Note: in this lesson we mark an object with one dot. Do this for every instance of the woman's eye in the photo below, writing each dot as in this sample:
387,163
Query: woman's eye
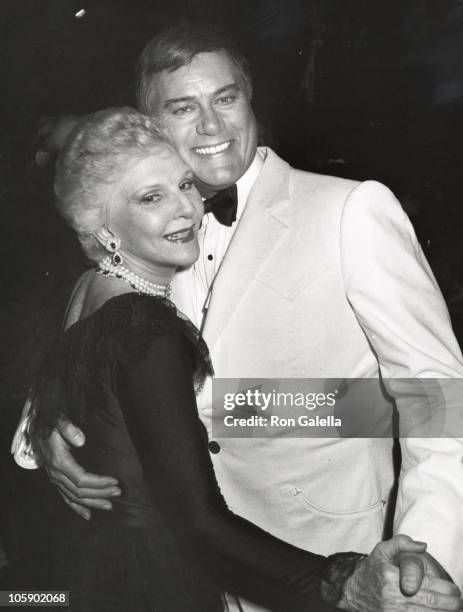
151,197
187,185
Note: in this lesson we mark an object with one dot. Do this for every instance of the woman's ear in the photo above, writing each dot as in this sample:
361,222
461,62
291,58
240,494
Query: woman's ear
107,239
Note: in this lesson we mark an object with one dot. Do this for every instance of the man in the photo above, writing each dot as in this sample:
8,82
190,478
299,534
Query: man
318,277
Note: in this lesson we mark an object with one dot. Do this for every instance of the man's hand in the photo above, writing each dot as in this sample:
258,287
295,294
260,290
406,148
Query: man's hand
377,584
413,567
81,490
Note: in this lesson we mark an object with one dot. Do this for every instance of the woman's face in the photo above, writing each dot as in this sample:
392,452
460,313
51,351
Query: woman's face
156,212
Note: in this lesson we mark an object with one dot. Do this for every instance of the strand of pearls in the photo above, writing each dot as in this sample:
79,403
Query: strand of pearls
141,285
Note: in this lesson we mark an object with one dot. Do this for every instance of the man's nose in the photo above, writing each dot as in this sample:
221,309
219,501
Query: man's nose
210,122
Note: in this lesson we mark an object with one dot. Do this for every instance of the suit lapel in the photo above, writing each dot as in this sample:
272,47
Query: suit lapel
261,227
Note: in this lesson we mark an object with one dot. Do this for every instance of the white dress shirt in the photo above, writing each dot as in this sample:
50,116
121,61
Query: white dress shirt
195,282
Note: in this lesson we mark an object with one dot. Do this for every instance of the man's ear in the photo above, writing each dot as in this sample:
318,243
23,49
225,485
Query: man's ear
107,239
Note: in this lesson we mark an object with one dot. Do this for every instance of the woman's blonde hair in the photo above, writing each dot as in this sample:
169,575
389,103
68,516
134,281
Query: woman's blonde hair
94,156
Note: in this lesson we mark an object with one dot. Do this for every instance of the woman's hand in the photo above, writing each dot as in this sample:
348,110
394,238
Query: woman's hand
81,490
399,575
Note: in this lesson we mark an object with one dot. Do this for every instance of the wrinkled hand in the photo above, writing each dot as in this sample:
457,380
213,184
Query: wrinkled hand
377,584
81,490
413,567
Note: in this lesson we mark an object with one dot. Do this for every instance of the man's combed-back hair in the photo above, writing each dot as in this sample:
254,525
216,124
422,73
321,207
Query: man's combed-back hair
176,47
95,155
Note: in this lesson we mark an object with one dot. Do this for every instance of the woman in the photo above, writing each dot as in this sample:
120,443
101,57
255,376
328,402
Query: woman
126,372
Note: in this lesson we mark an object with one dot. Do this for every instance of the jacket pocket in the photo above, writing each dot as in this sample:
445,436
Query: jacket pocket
362,510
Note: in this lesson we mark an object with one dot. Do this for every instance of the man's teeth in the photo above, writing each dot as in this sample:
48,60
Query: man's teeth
211,150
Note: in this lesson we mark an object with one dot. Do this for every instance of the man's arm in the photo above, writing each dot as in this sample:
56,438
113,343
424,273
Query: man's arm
399,306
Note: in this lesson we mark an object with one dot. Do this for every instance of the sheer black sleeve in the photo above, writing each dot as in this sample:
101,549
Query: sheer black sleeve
157,396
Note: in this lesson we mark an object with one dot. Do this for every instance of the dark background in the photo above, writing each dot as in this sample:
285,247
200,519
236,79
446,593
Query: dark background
356,88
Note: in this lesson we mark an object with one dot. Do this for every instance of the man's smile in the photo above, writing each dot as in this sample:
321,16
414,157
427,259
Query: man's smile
213,149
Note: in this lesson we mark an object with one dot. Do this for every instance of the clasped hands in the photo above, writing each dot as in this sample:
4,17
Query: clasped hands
398,575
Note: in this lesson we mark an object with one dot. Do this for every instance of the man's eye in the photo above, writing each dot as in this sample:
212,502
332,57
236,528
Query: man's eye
183,110
151,197
226,100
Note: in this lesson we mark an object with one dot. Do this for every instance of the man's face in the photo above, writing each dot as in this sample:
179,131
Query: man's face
205,109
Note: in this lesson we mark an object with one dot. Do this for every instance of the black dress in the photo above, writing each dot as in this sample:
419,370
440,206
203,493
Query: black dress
127,375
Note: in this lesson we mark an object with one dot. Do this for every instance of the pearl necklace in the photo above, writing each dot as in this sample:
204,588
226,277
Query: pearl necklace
141,285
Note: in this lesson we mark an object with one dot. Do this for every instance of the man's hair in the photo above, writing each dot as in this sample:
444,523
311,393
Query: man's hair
176,47
94,156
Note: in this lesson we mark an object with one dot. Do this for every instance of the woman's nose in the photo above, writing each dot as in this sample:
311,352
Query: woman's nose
184,206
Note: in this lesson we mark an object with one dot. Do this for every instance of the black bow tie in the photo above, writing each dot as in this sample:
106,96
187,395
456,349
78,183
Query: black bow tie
223,205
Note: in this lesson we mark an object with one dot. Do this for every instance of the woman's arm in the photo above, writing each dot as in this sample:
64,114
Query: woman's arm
161,413
160,407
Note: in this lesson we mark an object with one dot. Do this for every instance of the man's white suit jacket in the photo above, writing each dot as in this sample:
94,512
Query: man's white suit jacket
324,278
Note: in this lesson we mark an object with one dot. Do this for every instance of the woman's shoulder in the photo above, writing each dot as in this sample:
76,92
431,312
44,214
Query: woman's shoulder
121,330
124,316
126,325
138,320
78,297
90,292
138,312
